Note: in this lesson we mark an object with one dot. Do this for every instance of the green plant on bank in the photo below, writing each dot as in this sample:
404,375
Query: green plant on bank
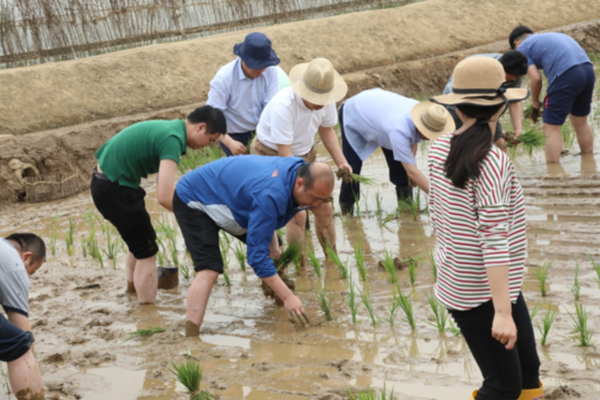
547,322
335,258
407,306
289,254
438,314
359,256
370,394
189,374
314,261
388,265
352,301
325,304
378,200
542,275
366,300
142,333
567,134
580,326
432,265
412,271
240,255
576,288
596,268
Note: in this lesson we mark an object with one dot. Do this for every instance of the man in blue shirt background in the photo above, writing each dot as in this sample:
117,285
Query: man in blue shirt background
571,78
250,198
242,89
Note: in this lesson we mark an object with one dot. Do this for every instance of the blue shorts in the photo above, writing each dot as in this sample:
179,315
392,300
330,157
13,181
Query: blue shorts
14,342
570,93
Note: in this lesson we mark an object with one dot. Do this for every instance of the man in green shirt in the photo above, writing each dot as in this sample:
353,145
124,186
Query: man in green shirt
134,153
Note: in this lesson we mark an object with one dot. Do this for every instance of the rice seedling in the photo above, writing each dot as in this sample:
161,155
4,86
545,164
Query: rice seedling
378,200
389,218
314,261
69,237
366,300
547,322
567,134
387,262
225,257
542,275
576,288
366,200
142,333
288,255
352,301
453,328
53,244
171,248
432,265
596,267
370,394
438,314
409,206
240,255
356,204
407,306
325,304
534,311
359,256
580,326
334,258
363,180
412,271
298,264
185,271
393,310
189,374
531,139
112,248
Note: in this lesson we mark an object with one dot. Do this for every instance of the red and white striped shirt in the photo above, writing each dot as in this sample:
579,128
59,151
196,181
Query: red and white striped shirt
480,226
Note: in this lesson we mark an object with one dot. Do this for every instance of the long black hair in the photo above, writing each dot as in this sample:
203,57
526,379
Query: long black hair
469,148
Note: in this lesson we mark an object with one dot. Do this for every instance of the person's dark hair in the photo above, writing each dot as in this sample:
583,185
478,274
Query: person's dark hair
514,62
517,33
30,242
212,117
309,176
469,148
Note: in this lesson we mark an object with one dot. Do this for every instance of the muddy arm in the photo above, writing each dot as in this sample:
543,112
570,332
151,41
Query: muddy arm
516,116
535,80
166,183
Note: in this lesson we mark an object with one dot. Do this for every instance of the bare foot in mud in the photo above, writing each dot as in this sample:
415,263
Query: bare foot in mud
191,329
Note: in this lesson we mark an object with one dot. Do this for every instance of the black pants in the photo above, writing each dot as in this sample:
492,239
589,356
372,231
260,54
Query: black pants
350,191
243,138
505,372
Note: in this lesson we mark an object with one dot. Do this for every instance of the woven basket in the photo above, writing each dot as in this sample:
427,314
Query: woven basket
44,188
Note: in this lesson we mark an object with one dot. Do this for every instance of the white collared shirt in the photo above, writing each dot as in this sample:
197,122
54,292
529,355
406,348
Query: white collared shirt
241,99
287,121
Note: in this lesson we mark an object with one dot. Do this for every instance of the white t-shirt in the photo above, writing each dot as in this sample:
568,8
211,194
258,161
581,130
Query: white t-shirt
287,120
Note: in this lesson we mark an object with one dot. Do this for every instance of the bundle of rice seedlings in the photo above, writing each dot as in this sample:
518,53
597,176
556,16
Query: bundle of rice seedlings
288,255
143,333
348,177
531,139
190,376
532,113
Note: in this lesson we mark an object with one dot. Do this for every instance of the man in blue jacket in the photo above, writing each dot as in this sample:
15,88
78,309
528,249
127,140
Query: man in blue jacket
249,197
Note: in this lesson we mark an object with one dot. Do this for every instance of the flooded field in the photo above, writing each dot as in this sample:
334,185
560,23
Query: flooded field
248,349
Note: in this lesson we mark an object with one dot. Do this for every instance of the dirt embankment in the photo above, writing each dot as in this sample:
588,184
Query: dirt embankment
406,48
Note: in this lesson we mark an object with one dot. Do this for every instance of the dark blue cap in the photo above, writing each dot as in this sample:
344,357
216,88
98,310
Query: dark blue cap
256,51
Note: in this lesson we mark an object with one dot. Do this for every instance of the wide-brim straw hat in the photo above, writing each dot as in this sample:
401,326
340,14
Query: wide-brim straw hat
478,81
318,82
432,120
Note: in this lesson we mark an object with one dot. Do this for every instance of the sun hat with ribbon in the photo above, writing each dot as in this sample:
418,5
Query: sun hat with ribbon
256,51
318,82
479,81
432,120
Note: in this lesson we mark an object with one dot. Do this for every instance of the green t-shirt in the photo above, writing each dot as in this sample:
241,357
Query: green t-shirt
136,151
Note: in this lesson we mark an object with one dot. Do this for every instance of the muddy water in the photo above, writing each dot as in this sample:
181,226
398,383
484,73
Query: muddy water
247,348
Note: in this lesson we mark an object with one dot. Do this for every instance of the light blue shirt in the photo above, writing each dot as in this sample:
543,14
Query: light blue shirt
242,99
378,118
553,52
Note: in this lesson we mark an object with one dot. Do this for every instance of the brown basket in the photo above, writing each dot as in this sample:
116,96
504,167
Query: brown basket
44,188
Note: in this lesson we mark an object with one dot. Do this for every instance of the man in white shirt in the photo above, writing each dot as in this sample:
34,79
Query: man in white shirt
378,118
242,88
288,126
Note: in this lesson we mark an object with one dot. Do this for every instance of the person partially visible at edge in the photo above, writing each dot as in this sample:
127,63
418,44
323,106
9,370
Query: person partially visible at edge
288,126
134,153
478,214
242,89
515,66
571,78
21,255
378,118
250,198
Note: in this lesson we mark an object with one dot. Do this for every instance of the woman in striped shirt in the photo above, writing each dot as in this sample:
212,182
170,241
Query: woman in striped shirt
477,210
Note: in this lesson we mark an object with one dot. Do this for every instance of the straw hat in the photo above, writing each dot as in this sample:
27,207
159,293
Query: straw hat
318,82
432,120
478,81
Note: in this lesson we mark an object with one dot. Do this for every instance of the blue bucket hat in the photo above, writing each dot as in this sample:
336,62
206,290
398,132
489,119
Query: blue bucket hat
256,51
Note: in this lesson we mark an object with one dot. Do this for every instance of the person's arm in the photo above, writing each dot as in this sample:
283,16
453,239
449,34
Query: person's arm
417,176
503,326
285,150
234,146
535,81
274,248
20,320
516,116
331,143
166,183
